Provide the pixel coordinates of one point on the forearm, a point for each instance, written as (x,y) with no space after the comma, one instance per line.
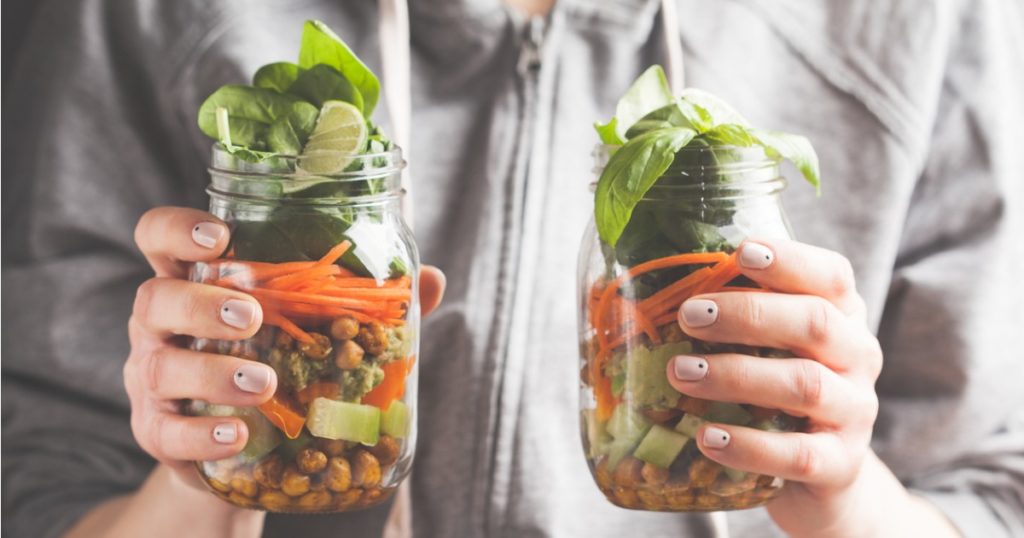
(879,505)
(166,507)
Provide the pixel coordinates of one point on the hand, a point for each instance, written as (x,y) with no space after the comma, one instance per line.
(817,314)
(159,373)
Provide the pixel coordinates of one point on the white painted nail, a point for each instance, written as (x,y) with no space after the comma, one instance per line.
(226,433)
(207,234)
(252,378)
(698,313)
(716,437)
(690,368)
(238,314)
(756,256)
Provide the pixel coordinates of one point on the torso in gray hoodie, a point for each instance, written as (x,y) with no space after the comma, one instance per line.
(914,106)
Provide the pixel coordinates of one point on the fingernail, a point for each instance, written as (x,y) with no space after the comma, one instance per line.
(207,234)
(238,314)
(756,256)
(252,378)
(226,433)
(690,368)
(698,313)
(715,437)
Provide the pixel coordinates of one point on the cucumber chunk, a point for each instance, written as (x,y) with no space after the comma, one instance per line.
(734,474)
(661,446)
(728,413)
(689,424)
(332,419)
(395,421)
(627,427)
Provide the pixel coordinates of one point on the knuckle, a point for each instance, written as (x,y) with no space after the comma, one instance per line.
(754,310)
(821,321)
(808,384)
(806,462)
(843,280)
(155,370)
(194,305)
(143,300)
(144,225)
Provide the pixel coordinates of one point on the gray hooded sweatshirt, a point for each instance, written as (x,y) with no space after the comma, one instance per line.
(914,107)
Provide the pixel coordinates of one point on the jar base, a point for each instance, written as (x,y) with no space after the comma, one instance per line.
(313,502)
(695,500)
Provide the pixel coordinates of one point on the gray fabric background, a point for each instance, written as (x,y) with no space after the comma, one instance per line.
(913,105)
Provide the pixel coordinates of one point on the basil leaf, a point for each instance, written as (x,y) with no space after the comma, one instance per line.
(321,46)
(795,149)
(730,134)
(649,92)
(679,113)
(719,111)
(277,76)
(322,83)
(250,113)
(630,173)
(289,133)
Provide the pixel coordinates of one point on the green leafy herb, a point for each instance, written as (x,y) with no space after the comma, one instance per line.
(649,92)
(277,76)
(321,46)
(322,83)
(251,111)
(630,173)
(679,113)
(793,148)
(288,133)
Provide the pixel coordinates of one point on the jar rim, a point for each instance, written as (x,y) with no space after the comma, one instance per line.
(278,165)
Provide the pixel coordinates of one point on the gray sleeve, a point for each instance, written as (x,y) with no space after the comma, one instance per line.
(951,423)
(90,143)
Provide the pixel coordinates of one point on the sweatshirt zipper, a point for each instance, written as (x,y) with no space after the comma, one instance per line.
(509,373)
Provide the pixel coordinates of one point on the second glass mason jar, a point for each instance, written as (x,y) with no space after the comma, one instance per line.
(638,431)
(335,271)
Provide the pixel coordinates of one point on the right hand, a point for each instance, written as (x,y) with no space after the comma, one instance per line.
(160,373)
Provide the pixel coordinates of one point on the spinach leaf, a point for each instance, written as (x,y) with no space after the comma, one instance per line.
(321,46)
(250,113)
(322,83)
(277,76)
(289,133)
(795,149)
(689,234)
(630,173)
(650,91)
(679,113)
(718,110)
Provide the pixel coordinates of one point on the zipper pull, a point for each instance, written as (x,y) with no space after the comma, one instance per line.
(530,57)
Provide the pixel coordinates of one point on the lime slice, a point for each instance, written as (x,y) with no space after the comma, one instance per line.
(340,134)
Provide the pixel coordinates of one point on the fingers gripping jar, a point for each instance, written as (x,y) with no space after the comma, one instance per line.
(638,431)
(335,271)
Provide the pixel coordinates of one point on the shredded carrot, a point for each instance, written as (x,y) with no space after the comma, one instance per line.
(272,317)
(310,298)
(723,273)
(665,297)
(335,253)
(286,282)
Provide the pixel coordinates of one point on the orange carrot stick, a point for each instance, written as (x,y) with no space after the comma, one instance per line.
(285,282)
(310,298)
(272,317)
(336,252)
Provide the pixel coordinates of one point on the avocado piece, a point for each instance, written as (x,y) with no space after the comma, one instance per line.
(646,382)
(598,438)
(728,413)
(689,424)
(661,446)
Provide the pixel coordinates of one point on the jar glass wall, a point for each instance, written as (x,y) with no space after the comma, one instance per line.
(335,271)
(638,431)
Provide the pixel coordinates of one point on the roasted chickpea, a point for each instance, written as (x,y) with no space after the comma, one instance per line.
(311,460)
(331,447)
(241,500)
(627,474)
(293,482)
(372,338)
(703,472)
(652,500)
(218,485)
(603,475)
(725,486)
(269,471)
(319,349)
(283,340)
(315,501)
(349,355)
(386,450)
(344,328)
(653,474)
(365,469)
(626,497)
(275,500)
(339,475)
(243,484)
(348,499)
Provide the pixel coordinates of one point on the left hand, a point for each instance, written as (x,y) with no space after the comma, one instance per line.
(816,314)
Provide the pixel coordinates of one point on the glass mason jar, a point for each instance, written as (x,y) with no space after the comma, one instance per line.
(638,431)
(335,270)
